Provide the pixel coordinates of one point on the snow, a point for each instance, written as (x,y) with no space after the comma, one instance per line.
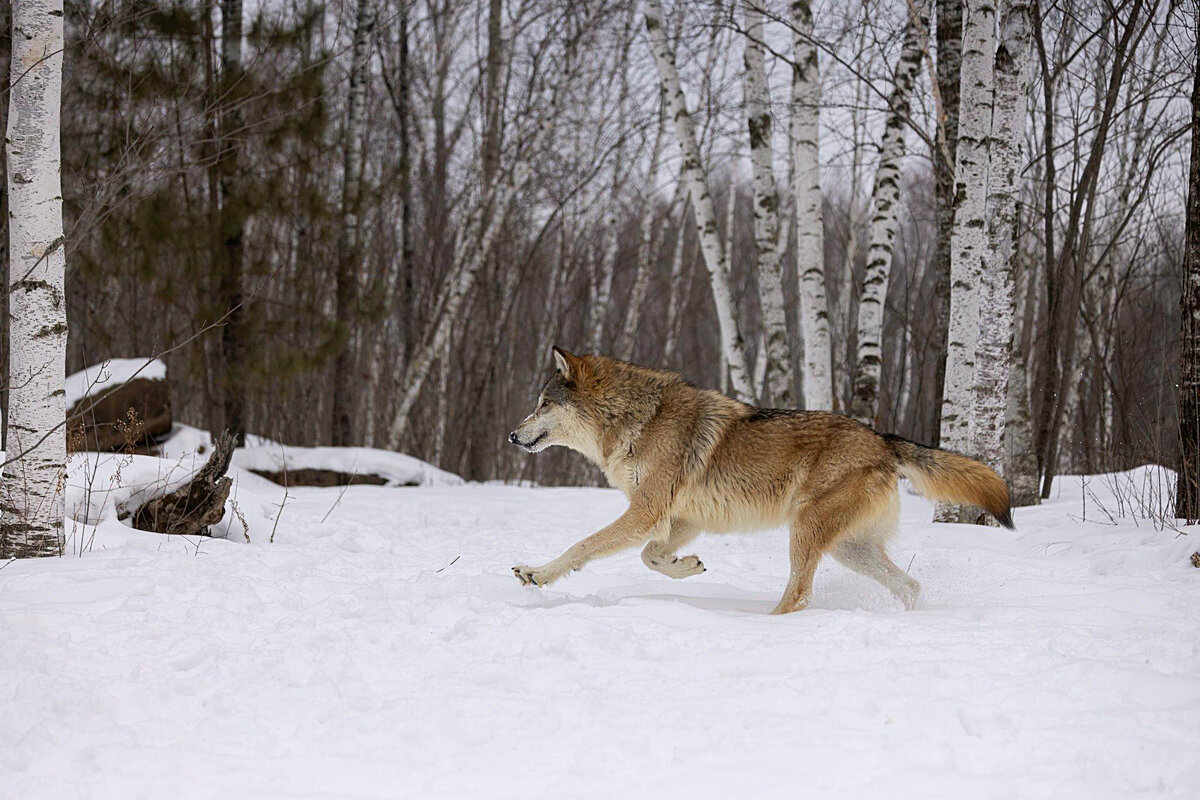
(381,648)
(397,468)
(113,372)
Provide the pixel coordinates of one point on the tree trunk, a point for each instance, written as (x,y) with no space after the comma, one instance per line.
(810,233)
(994,354)
(1187,498)
(348,251)
(777,385)
(1020,449)
(33,480)
(233,221)
(968,245)
(732,346)
(886,194)
(949,61)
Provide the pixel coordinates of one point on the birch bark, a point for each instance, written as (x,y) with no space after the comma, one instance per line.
(969,241)
(994,352)
(869,362)
(777,384)
(32,485)
(346,290)
(810,235)
(732,346)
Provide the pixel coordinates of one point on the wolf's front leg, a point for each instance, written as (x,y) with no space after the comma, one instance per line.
(630,529)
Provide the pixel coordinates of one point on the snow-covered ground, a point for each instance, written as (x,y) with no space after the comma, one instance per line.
(381,648)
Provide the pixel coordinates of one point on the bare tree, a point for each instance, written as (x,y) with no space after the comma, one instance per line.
(994,351)
(869,363)
(232,220)
(733,349)
(949,60)
(34,477)
(968,245)
(1187,498)
(777,385)
(346,294)
(806,190)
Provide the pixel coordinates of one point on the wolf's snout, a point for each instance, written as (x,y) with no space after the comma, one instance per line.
(512,438)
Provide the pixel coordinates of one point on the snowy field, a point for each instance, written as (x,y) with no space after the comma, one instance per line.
(381,648)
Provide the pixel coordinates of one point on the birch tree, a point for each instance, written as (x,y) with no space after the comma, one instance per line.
(1187,497)
(949,60)
(994,354)
(346,294)
(777,385)
(806,191)
(33,481)
(968,245)
(885,196)
(733,348)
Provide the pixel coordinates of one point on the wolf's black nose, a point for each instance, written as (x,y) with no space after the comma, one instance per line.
(512,437)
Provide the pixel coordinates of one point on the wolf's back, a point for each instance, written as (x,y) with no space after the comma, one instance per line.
(952,478)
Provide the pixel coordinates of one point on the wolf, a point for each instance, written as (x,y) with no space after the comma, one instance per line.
(692,460)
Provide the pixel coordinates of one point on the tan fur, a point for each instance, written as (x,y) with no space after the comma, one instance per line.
(692,460)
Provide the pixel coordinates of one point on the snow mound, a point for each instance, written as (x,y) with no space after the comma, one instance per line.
(113,372)
(396,469)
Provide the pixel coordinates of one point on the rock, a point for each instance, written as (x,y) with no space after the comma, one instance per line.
(116,410)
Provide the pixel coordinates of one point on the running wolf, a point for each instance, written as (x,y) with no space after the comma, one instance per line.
(693,460)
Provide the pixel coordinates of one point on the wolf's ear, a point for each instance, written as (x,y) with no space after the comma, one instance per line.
(562,361)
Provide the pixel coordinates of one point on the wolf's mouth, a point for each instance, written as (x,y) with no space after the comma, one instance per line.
(528,447)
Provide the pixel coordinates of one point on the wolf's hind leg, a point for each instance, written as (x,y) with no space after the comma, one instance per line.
(660,556)
(868,557)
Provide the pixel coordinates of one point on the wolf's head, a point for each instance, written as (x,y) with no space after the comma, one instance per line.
(563,415)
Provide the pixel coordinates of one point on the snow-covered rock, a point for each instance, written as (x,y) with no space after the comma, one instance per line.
(118,404)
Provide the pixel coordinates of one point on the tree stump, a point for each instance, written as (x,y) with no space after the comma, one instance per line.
(190,510)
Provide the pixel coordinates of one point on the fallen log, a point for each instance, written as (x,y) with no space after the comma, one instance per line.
(192,509)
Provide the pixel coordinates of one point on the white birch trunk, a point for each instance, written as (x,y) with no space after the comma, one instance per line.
(32,486)
(869,361)
(810,234)
(994,352)
(776,384)
(732,345)
(969,240)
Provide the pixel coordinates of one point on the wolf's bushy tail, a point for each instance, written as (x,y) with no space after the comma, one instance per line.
(951,478)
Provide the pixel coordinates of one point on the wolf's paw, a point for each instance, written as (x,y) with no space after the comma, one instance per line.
(528,576)
(683,567)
